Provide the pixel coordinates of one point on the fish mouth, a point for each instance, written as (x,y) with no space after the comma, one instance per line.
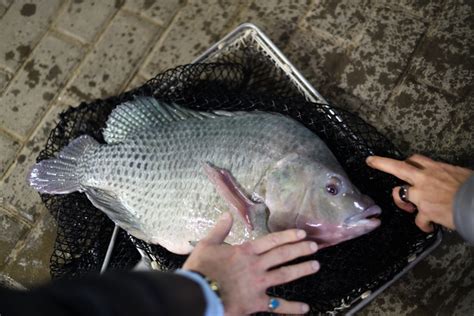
(326,234)
(366,216)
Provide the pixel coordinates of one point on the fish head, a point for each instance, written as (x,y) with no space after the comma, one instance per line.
(303,193)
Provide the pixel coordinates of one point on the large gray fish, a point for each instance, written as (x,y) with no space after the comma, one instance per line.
(167,173)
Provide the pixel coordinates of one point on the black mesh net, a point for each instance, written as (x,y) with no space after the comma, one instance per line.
(347,270)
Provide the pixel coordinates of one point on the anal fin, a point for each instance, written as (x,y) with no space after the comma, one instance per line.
(111,205)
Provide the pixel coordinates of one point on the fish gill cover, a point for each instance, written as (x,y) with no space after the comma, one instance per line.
(347,270)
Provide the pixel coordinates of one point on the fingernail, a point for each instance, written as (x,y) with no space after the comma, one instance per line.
(300,234)
(304,308)
(315,265)
(368,160)
(313,246)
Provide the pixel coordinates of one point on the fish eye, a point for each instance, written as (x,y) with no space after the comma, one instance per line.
(333,186)
(332,189)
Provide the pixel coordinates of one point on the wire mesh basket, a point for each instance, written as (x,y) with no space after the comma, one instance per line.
(245,71)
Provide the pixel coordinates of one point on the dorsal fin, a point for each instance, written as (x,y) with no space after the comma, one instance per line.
(144,112)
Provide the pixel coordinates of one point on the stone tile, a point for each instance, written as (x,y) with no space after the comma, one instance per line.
(9,283)
(3,7)
(277,19)
(22,27)
(30,265)
(4,80)
(200,24)
(15,193)
(415,117)
(438,285)
(86,18)
(162,11)
(38,82)
(11,230)
(318,60)
(6,3)
(436,278)
(113,60)
(315,57)
(445,59)
(8,150)
(426,9)
(136,82)
(455,143)
(465,304)
(393,304)
(342,18)
(381,56)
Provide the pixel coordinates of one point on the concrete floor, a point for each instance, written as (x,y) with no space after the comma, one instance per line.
(404,66)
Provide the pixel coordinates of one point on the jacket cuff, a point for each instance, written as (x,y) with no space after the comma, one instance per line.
(464,210)
(214,305)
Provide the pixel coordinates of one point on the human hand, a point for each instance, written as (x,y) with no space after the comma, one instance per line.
(242,271)
(433,186)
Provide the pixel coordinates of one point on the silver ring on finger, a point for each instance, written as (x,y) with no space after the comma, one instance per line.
(273,303)
(403,193)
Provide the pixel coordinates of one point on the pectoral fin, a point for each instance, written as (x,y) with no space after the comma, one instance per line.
(231,192)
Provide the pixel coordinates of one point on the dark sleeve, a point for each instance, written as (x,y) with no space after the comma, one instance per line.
(128,293)
(464,210)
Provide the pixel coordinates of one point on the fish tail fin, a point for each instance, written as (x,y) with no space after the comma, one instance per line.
(60,175)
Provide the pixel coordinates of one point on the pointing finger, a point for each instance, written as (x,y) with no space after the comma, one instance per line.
(399,169)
